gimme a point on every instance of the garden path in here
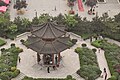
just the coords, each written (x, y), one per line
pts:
(113, 41)
(29, 67)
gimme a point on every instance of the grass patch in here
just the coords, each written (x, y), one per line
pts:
(2, 42)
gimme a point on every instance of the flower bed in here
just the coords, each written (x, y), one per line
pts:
(2, 42)
(88, 63)
(8, 62)
(112, 54)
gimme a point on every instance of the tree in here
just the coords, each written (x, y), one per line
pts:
(60, 19)
(13, 28)
(70, 21)
(44, 18)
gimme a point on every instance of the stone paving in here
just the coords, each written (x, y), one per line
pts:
(112, 7)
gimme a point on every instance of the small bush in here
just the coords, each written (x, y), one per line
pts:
(2, 49)
(13, 69)
(69, 77)
(74, 41)
(84, 45)
(12, 45)
(22, 41)
(94, 50)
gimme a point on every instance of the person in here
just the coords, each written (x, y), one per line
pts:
(93, 12)
(90, 39)
(48, 69)
(105, 75)
(55, 8)
(54, 67)
(99, 50)
(56, 59)
(19, 59)
(104, 70)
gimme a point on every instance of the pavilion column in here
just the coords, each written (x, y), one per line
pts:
(38, 58)
(58, 58)
(53, 59)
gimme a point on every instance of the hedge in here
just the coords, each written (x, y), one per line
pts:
(8, 63)
(89, 69)
(69, 77)
(112, 54)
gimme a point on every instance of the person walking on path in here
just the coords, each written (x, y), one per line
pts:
(105, 75)
(48, 69)
(98, 50)
(104, 70)
(19, 59)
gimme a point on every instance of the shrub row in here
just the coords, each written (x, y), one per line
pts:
(69, 77)
(88, 64)
(112, 54)
(8, 62)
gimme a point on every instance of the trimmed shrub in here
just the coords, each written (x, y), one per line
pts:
(2, 49)
(94, 50)
(69, 77)
(13, 69)
(74, 41)
(22, 41)
(84, 45)
(12, 45)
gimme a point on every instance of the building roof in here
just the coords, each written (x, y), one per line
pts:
(48, 30)
(48, 47)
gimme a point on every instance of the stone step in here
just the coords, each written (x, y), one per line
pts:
(77, 77)
(19, 77)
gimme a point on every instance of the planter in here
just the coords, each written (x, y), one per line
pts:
(71, 12)
(70, 4)
(101, 1)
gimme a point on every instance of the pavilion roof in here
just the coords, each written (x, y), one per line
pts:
(48, 30)
(48, 47)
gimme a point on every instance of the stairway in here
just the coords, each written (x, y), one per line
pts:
(19, 77)
(77, 77)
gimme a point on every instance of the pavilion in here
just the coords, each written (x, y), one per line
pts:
(48, 40)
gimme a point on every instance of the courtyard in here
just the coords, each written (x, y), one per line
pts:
(70, 62)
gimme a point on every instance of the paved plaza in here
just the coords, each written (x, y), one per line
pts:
(112, 7)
